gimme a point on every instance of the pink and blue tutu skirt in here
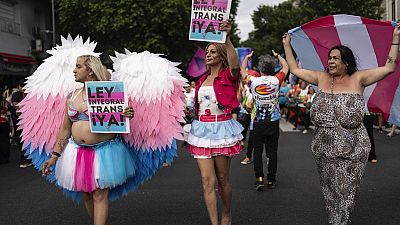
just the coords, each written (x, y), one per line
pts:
(111, 164)
(85, 168)
(209, 137)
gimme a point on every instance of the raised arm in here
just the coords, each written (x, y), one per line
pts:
(370, 76)
(243, 70)
(282, 61)
(310, 76)
(233, 59)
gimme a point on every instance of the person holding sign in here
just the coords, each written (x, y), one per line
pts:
(89, 163)
(215, 137)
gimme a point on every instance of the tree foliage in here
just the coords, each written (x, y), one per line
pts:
(316, 8)
(271, 22)
(138, 25)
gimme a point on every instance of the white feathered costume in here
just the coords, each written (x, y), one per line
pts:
(155, 92)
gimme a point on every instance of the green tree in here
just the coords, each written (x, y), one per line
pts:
(271, 22)
(138, 25)
(314, 9)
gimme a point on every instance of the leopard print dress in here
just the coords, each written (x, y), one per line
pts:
(340, 148)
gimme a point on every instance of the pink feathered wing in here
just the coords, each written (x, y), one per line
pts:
(41, 120)
(155, 124)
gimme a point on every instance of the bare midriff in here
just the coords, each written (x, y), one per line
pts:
(80, 131)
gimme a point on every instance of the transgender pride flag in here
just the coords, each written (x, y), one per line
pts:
(370, 41)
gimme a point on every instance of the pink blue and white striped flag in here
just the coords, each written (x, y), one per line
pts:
(370, 40)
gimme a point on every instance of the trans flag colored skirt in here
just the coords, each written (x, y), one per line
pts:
(207, 139)
(89, 167)
(111, 164)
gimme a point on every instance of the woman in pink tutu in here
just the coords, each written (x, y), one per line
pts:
(215, 137)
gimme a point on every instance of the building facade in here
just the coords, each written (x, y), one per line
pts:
(392, 10)
(25, 35)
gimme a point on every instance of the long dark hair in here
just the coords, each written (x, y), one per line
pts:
(347, 58)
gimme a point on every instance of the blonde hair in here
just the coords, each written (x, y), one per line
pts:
(221, 49)
(94, 64)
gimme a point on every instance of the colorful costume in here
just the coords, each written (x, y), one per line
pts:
(155, 92)
(214, 132)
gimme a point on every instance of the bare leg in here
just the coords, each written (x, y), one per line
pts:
(88, 198)
(391, 133)
(222, 166)
(207, 173)
(380, 122)
(234, 116)
(100, 200)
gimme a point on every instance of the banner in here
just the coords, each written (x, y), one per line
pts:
(106, 102)
(207, 15)
(197, 65)
(242, 52)
(370, 40)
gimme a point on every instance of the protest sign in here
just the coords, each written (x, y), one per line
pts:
(207, 16)
(106, 102)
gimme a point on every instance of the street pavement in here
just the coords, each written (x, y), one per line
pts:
(174, 197)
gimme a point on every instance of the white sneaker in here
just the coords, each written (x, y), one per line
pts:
(305, 131)
(245, 161)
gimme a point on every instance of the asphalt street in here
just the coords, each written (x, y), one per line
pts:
(174, 197)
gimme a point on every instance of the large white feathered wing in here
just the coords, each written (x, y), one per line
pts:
(42, 109)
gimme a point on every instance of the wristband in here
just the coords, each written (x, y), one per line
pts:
(395, 43)
(56, 154)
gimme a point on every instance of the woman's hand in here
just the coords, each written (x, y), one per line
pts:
(396, 30)
(48, 164)
(286, 39)
(226, 26)
(249, 55)
(274, 53)
(128, 112)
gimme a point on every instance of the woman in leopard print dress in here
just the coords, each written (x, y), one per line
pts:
(341, 144)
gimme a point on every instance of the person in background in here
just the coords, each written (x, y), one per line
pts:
(300, 98)
(265, 92)
(16, 98)
(189, 104)
(193, 85)
(283, 90)
(380, 122)
(369, 125)
(392, 131)
(6, 127)
(308, 103)
(246, 108)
